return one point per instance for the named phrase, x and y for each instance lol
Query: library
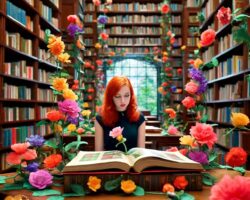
(106, 76)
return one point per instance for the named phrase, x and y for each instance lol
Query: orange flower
(188, 102)
(180, 182)
(239, 119)
(167, 187)
(112, 53)
(197, 63)
(57, 128)
(52, 160)
(69, 94)
(171, 112)
(128, 186)
(94, 183)
(236, 157)
(64, 58)
(87, 64)
(207, 37)
(164, 59)
(60, 84)
(56, 46)
(79, 44)
(54, 115)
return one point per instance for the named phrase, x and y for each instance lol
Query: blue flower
(35, 140)
(173, 88)
(32, 167)
(102, 19)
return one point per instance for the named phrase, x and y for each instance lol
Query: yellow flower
(183, 47)
(239, 119)
(98, 45)
(69, 94)
(71, 127)
(64, 58)
(199, 45)
(57, 128)
(119, 138)
(85, 105)
(86, 113)
(197, 63)
(187, 140)
(128, 186)
(94, 183)
(164, 53)
(56, 45)
(60, 84)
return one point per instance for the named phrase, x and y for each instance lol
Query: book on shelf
(137, 160)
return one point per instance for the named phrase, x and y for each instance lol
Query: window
(143, 76)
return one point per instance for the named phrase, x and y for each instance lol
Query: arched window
(143, 76)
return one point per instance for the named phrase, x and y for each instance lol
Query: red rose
(180, 182)
(207, 37)
(224, 15)
(165, 8)
(236, 157)
(188, 102)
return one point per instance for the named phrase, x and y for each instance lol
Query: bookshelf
(25, 94)
(228, 86)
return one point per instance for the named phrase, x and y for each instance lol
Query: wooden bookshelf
(23, 59)
(227, 82)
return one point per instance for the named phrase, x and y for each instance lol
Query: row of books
(16, 12)
(45, 95)
(208, 54)
(134, 19)
(192, 41)
(15, 135)
(227, 140)
(88, 30)
(225, 42)
(89, 7)
(17, 92)
(194, 3)
(176, 30)
(176, 19)
(88, 17)
(133, 30)
(231, 91)
(193, 19)
(43, 75)
(43, 111)
(176, 6)
(210, 94)
(131, 41)
(19, 69)
(43, 54)
(88, 41)
(15, 40)
(224, 114)
(18, 113)
(209, 8)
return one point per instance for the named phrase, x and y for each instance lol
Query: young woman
(119, 109)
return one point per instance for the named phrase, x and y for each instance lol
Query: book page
(136, 154)
(95, 157)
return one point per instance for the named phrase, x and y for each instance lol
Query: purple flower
(73, 29)
(72, 120)
(35, 140)
(198, 76)
(102, 19)
(69, 107)
(198, 156)
(32, 167)
(40, 179)
(173, 88)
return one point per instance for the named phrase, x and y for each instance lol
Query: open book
(137, 159)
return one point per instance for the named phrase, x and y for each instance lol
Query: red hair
(108, 112)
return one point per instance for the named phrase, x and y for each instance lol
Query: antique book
(137, 160)
(150, 180)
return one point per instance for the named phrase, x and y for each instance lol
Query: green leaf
(204, 118)
(196, 51)
(42, 122)
(57, 184)
(72, 195)
(212, 156)
(17, 186)
(225, 167)
(215, 62)
(241, 35)
(74, 145)
(208, 179)
(112, 184)
(2, 179)
(51, 143)
(27, 185)
(56, 198)
(139, 191)
(240, 169)
(78, 189)
(186, 196)
(241, 17)
(236, 10)
(46, 192)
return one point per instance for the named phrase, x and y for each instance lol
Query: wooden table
(199, 195)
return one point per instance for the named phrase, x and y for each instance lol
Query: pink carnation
(188, 102)
(40, 179)
(117, 131)
(69, 107)
(191, 87)
(204, 134)
(172, 130)
(237, 187)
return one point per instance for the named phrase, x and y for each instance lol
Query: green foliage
(139, 191)
(113, 184)
(56, 198)
(208, 179)
(2, 179)
(46, 192)
(201, 17)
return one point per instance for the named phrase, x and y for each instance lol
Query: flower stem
(125, 147)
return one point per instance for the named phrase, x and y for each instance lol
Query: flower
(40, 179)
(191, 87)
(102, 19)
(56, 46)
(60, 84)
(224, 15)
(167, 187)
(64, 58)
(197, 63)
(32, 167)
(54, 115)
(198, 76)
(21, 152)
(104, 36)
(188, 102)
(128, 186)
(117, 131)
(239, 119)
(94, 183)
(207, 37)
(69, 107)
(52, 160)
(204, 134)
(165, 8)
(236, 157)
(73, 29)
(86, 113)
(171, 112)
(172, 130)
(237, 187)
(36, 140)
(187, 140)
(198, 156)
(69, 94)
(180, 182)
(71, 127)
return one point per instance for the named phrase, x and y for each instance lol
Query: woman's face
(122, 98)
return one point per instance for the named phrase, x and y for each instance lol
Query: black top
(130, 132)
